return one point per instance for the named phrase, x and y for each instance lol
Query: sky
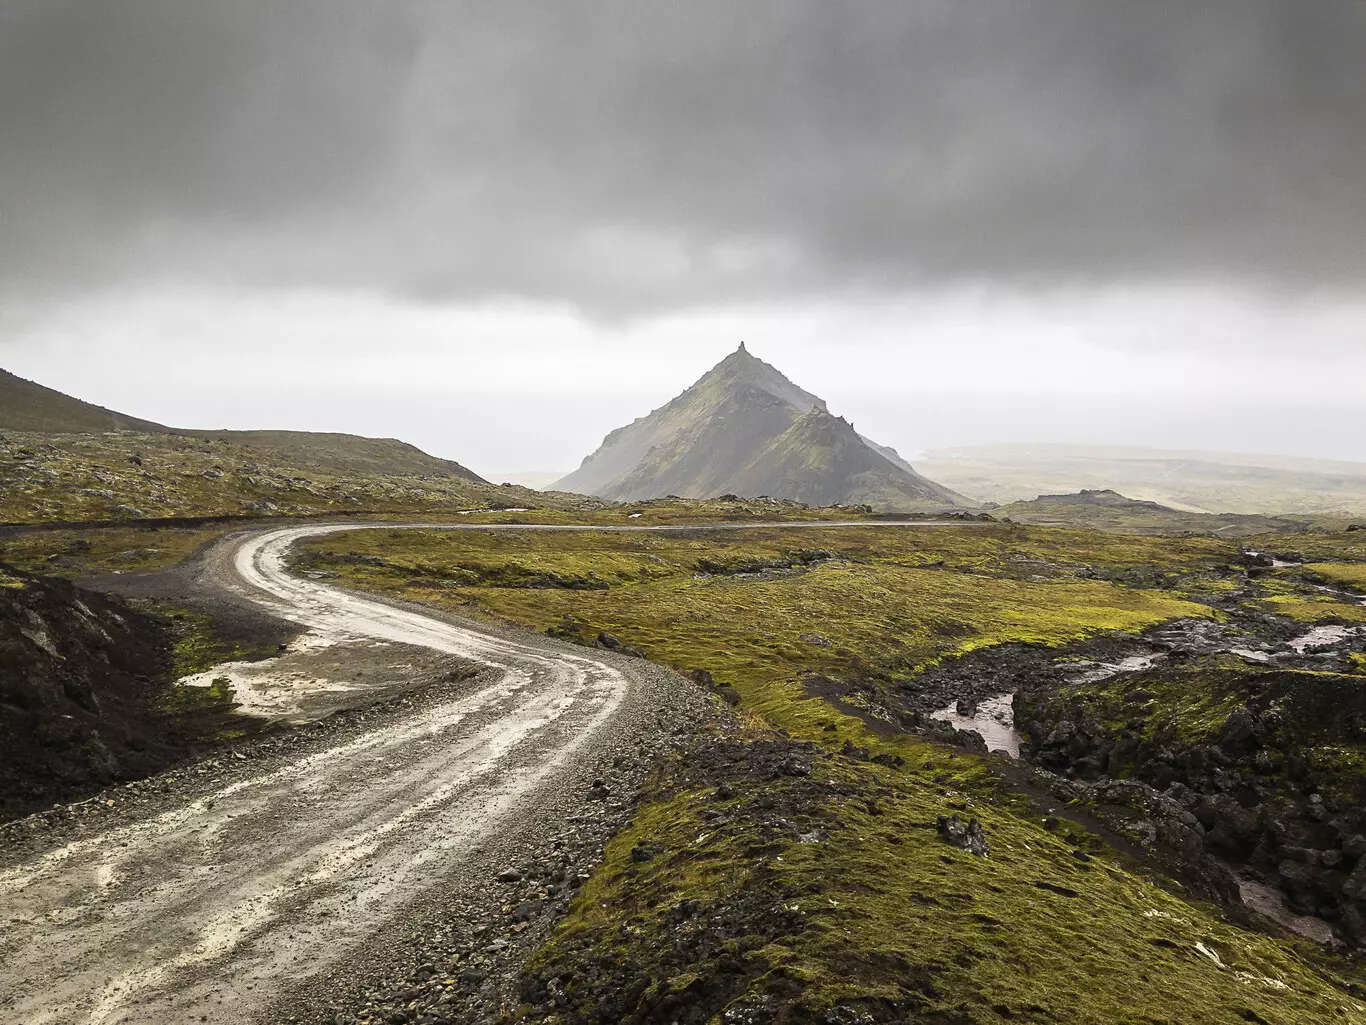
(500, 229)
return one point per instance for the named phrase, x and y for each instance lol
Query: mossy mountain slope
(33, 408)
(745, 428)
(29, 406)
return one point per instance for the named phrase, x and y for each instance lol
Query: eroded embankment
(85, 677)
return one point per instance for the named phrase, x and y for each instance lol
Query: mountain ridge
(29, 407)
(744, 427)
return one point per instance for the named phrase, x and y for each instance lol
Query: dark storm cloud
(634, 155)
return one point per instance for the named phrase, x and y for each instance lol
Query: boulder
(965, 836)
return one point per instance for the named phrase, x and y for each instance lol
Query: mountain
(30, 407)
(744, 428)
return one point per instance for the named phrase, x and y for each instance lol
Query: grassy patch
(757, 607)
(130, 476)
(1351, 574)
(837, 889)
(74, 553)
(1312, 610)
(197, 645)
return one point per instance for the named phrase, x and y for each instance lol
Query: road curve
(206, 911)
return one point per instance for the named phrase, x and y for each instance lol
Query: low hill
(744, 428)
(127, 475)
(1213, 482)
(1109, 510)
(341, 453)
(33, 408)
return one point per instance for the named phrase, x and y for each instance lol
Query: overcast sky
(500, 229)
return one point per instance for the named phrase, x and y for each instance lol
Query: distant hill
(537, 480)
(30, 407)
(1214, 482)
(1109, 510)
(744, 428)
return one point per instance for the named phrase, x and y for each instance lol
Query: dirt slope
(81, 677)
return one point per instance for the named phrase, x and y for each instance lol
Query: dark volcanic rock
(965, 836)
(82, 673)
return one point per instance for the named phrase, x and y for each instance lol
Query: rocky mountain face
(744, 428)
(28, 407)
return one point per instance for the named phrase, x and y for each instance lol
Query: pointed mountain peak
(745, 428)
(744, 369)
(741, 357)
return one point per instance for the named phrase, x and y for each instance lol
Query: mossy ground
(197, 645)
(863, 904)
(1321, 715)
(86, 552)
(872, 906)
(1314, 610)
(1351, 574)
(872, 602)
(129, 476)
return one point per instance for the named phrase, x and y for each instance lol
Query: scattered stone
(969, 837)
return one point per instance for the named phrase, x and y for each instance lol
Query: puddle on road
(994, 719)
(317, 674)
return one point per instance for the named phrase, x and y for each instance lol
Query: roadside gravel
(317, 873)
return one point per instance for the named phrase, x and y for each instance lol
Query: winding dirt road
(207, 909)
(202, 912)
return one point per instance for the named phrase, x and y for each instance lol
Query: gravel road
(210, 908)
(262, 890)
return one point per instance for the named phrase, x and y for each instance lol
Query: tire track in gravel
(207, 911)
(210, 910)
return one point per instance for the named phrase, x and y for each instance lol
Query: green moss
(884, 909)
(890, 600)
(75, 553)
(198, 645)
(1312, 610)
(218, 698)
(1351, 574)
